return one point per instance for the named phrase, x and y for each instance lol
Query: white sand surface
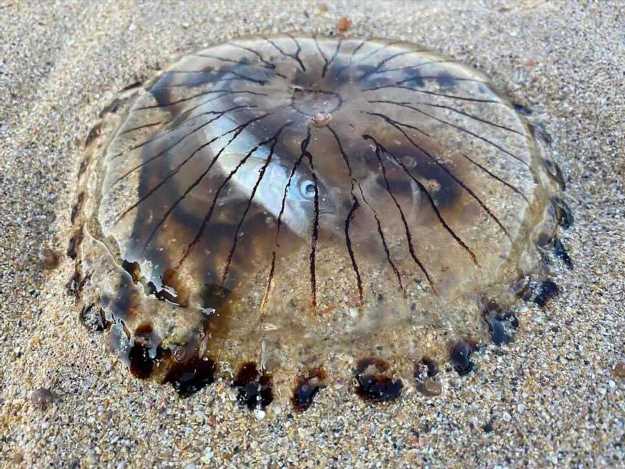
(550, 398)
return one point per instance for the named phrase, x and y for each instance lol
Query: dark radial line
(333, 58)
(462, 129)
(224, 74)
(222, 92)
(199, 179)
(449, 108)
(364, 199)
(223, 59)
(322, 55)
(265, 65)
(350, 249)
(387, 59)
(327, 62)
(159, 135)
(170, 131)
(382, 237)
(186, 114)
(494, 176)
(399, 126)
(315, 229)
(298, 50)
(260, 57)
(187, 85)
(433, 93)
(255, 52)
(170, 147)
(290, 56)
(431, 77)
(304, 146)
(236, 130)
(404, 221)
(247, 78)
(261, 174)
(427, 194)
(355, 51)
(408, 67)
(160, 153)
(209, 213)
(348, 220)
(140, 127)
(375, 51)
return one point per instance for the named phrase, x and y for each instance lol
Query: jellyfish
(303, 209)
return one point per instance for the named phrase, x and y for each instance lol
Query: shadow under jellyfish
(299, 202)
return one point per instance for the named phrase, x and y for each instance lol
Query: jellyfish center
(315, 103)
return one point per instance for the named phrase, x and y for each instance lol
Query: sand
(552, 397)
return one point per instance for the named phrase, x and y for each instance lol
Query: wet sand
(550, 398)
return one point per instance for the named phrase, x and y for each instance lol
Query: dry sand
(550, 398)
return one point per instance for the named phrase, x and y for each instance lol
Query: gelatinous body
(303, 202)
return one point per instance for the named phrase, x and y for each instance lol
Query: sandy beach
(553, 397)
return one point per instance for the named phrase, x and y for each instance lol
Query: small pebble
(619, 370)
(207, 456)
(49, 258)
(343, 24)
(42, 398)
(430, 387)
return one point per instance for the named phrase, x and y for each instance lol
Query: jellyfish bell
(300, 202)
